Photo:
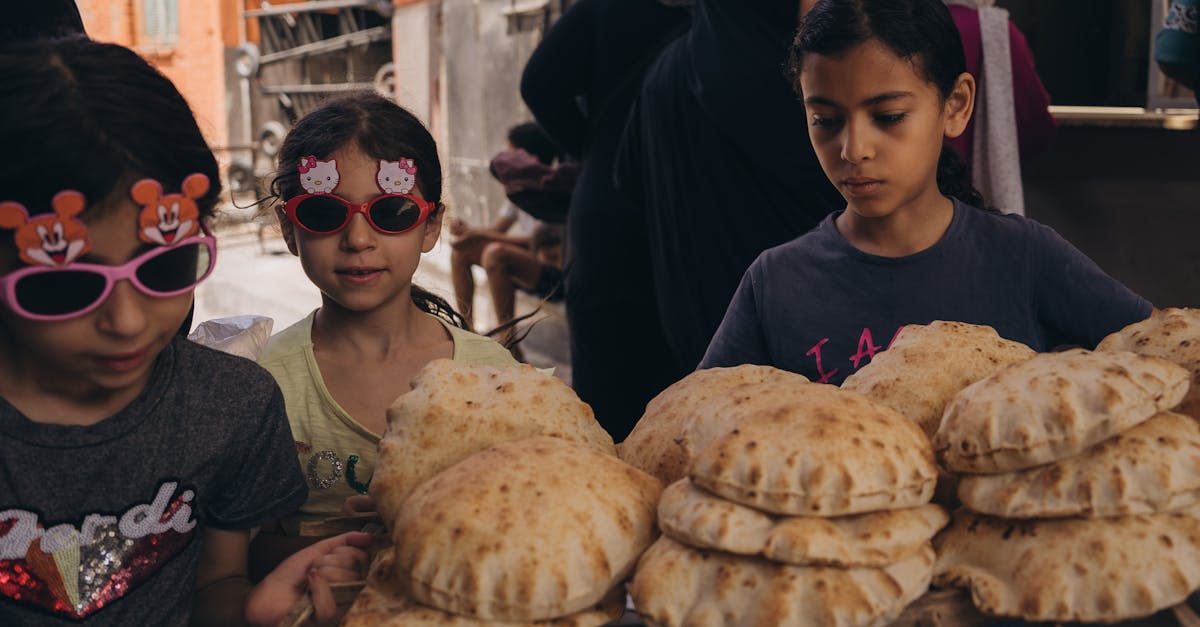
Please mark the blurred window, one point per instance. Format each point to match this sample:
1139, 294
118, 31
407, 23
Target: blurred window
160, 22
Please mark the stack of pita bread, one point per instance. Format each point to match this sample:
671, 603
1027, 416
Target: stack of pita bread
927, 365
656, 446
506, 505
454, 411
1080, 488
803, 504
1172, 334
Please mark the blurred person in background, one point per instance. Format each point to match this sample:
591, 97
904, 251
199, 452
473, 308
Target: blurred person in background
1177, 45
1012, 121
510, 236
716, 159
579, 83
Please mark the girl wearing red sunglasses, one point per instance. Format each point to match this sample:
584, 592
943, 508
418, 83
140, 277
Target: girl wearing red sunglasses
358, 199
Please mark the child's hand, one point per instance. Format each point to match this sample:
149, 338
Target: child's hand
458, 227
337, 559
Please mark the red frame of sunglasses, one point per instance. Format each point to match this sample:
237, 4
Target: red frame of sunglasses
424, 206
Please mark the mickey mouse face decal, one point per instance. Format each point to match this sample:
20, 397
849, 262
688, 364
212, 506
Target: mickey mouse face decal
52, 239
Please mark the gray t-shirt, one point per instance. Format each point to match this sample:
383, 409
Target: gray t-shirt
820, 307
104, 522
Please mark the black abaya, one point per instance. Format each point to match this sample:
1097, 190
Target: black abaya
716, 153
579, 84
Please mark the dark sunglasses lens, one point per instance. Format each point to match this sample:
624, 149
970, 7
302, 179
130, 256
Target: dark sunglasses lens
176, 269
322, 214
59, 293
395, 214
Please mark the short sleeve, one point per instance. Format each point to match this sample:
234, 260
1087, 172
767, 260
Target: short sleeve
740, 338
1077, 302
508, 211
261, 480
1178, 42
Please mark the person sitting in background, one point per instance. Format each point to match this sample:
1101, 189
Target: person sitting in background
1177, 45
512, 230
536, 271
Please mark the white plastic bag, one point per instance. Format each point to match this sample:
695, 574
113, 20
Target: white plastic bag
244, 336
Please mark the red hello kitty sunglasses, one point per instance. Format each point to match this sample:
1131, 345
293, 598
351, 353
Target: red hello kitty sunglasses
327, 213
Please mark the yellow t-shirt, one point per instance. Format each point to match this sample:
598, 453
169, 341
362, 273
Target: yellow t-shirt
337, 454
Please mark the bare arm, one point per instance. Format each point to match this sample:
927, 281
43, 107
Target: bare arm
504, 223
466, 236
271, 546
222, 583
225, 597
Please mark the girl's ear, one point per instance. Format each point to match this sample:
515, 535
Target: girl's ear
959, 105
433, 228
288, 230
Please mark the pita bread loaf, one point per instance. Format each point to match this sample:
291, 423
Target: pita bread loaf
454, 411
382, 604
1153, 467
678, 585
701, 520
816, 450
712, 419
526, 530
927, 365
652, 445
1071, 569
1174, 335
1052, 406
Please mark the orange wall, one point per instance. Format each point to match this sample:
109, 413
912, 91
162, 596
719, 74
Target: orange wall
196, 63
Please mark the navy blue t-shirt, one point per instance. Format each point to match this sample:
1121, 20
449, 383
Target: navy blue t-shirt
820, 307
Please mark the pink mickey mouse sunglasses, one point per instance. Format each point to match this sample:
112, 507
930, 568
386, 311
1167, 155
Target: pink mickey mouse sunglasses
60, 293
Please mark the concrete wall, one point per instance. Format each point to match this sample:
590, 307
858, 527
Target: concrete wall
416, 54
195, 63
1130, 199
482, 60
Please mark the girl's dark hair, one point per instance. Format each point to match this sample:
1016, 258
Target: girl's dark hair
43, 19
381, 129
920, 31
77, 114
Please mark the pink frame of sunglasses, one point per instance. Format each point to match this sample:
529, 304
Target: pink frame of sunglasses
111, 274
424, 206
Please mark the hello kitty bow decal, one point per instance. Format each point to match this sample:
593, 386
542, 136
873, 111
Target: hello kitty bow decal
318, 177
51, 239
396, 177
322, 177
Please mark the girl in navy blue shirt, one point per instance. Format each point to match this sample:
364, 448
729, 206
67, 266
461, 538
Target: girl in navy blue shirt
884, 83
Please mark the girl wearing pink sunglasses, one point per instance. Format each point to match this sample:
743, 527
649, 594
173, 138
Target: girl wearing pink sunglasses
134, 463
